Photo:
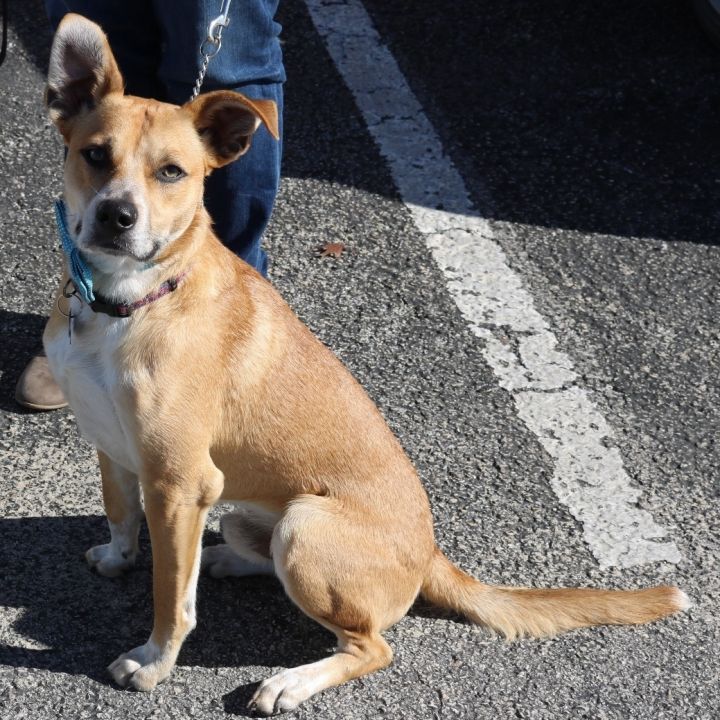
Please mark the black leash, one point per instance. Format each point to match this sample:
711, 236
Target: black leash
3, 48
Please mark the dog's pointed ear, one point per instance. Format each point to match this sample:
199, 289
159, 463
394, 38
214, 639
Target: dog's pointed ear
226, 122
82, 69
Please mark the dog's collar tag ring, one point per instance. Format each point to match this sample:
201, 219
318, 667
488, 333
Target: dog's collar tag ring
80, 271
69, 292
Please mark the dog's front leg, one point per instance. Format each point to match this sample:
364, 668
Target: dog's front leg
176, 509
121, 497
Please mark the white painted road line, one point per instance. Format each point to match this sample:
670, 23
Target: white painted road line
589, 476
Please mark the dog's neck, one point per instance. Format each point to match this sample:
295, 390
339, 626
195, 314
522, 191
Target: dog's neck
127, 281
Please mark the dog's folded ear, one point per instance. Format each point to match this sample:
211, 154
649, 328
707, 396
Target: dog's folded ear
82, 69
226, 122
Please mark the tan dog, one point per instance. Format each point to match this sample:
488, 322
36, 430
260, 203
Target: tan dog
216, 392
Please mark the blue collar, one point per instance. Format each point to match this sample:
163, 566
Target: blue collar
79, 269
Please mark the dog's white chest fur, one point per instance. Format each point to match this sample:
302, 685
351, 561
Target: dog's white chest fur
86, 369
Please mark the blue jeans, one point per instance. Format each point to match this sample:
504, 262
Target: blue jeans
156, 44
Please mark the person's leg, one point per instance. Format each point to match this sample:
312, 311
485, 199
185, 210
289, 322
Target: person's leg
240, 196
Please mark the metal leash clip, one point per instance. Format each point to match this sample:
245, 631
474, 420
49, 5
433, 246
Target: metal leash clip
211, 45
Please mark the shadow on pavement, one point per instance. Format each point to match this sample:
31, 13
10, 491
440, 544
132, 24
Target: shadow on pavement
235, 702
75, 621
28, 20
597, 117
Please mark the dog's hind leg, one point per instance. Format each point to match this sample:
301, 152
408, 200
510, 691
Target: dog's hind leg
247, 532
121, 497
357, 654
351, 576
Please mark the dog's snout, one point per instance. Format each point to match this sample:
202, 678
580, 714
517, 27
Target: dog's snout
116, 216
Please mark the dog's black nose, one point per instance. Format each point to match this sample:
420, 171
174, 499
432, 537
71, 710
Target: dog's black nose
116, 216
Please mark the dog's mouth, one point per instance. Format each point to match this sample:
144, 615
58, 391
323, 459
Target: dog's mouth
120, 247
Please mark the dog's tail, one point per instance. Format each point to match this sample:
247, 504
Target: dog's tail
515, 612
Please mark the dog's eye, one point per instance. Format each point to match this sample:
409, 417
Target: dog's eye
95, 155
170, 173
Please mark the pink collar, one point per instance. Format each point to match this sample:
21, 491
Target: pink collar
121, 310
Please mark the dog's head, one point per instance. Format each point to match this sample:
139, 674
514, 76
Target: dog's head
135, 168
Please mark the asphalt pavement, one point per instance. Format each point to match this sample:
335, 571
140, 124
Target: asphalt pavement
586, 135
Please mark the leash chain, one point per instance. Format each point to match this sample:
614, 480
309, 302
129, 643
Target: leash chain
211, 45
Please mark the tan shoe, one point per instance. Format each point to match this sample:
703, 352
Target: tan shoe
36, 389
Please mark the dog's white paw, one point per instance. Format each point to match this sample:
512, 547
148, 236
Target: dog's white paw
284, 691
108, 560
221, 561
142, 668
